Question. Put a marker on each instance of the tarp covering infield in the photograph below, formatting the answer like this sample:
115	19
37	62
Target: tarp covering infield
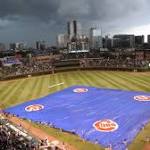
104	115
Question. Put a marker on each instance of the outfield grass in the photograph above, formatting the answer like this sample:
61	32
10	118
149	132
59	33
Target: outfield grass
21	90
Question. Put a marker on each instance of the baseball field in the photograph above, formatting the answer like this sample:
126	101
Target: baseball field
21	90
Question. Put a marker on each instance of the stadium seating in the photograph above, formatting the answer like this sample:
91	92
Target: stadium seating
13	137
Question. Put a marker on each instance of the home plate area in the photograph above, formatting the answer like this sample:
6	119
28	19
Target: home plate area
107	116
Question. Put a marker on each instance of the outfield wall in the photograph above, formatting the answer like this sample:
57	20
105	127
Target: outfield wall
74	68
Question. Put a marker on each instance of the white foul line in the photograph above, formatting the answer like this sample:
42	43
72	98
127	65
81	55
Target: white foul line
55	85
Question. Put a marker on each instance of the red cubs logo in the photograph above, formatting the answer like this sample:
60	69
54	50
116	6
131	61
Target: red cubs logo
80	90
105	125
142	98
35	107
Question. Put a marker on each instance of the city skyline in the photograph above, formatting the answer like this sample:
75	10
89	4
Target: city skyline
35	20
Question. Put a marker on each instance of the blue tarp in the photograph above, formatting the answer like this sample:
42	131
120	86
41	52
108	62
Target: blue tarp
76	112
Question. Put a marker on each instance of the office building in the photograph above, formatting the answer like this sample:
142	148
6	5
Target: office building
74	29
139	40
148	39
123	41
95	38
62	40
40	45
2	47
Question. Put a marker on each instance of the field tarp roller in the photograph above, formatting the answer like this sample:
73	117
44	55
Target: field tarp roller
106	116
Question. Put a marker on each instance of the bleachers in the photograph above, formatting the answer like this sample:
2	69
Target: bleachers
71	62
13	137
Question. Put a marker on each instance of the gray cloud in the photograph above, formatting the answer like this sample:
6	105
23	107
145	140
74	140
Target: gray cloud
36	9
38	19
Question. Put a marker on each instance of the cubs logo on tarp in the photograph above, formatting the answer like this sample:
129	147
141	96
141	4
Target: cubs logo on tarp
142	98
35	107
80	90
106	125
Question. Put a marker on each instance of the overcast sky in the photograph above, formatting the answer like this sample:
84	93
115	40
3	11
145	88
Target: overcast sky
31	20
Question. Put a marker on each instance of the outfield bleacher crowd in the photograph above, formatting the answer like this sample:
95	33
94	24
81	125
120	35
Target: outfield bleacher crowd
37	67
26	69
116	63
50	63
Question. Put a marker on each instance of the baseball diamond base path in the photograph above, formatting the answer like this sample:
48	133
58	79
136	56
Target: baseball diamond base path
38	133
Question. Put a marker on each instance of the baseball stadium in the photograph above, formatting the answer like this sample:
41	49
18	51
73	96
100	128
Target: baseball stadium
74	74
75	104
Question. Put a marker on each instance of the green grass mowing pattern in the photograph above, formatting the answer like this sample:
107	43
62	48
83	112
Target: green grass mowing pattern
21	90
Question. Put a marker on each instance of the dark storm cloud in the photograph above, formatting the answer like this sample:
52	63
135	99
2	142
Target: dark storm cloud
44	10
39	9
50	16
101	9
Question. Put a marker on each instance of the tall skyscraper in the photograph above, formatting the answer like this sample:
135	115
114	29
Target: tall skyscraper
2	47
41	45
17	46
95	38
62	40
148	39
74	29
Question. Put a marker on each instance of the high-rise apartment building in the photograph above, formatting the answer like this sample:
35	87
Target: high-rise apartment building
74	29
62	40
148	39
95	38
